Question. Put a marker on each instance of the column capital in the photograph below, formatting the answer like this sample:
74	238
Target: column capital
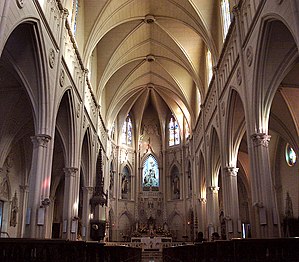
214	189
24	188
215	69
236	10
88	189
202	200
65	12
231	171
70	171
40	140
260	139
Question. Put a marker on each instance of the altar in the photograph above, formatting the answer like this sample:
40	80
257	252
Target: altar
152	243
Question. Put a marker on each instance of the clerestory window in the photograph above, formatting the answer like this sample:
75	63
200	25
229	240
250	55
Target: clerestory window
126	138
225	13
174	132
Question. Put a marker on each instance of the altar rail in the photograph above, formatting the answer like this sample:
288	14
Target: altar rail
41	250
237	250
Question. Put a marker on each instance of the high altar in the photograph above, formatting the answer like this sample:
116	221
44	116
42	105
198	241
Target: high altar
150	220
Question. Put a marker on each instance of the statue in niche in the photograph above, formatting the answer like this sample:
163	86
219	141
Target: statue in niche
151	224
14	211
124	185
111	181
176	186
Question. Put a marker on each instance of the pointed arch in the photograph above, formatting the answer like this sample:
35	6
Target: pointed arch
66	125
202	176
36	82
86	157
214	156
235	126
270	70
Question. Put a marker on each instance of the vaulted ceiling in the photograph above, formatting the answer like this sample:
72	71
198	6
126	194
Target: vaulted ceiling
150	51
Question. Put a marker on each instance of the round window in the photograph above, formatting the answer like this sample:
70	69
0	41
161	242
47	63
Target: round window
291	156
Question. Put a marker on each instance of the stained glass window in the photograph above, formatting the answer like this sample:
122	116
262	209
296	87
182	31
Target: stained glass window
225	17
150	174
209	66
75	15
174	132
126	138
291	156
129	131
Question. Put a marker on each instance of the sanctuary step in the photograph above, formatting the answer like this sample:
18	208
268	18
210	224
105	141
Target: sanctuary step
151	256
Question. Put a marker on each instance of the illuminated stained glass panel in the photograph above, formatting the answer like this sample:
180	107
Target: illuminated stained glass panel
291	156
124	133
129	131
75	15
209	66
150	174
225	16
174	132
126	137
171	132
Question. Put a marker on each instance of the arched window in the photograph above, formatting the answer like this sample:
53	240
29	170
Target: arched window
209	66
291	156
74	17
150	174
126	183
175	183
126	138
225	13
174	132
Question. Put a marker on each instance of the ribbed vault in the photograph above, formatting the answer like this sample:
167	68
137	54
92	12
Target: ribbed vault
139	50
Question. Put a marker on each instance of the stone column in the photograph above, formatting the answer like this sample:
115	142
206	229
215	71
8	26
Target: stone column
34	215
70	210
86	214
264	199
22	212
213	208
231	207
202	214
